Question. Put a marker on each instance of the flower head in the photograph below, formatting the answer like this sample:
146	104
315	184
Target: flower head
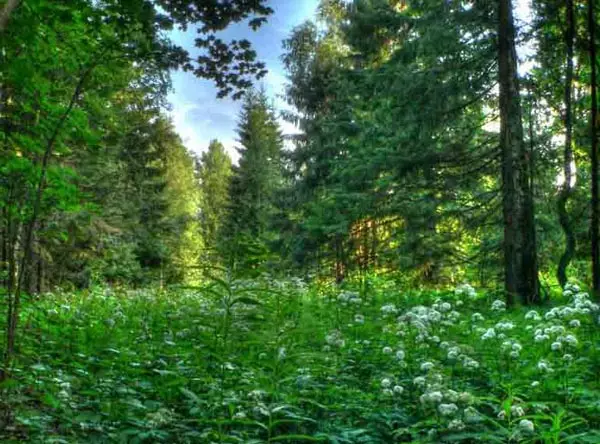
526	425
447	409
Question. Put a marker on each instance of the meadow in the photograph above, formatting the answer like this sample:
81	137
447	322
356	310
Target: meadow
267	361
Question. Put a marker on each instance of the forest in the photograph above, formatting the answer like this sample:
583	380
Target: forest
419	261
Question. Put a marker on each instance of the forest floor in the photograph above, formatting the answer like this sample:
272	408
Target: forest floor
269	361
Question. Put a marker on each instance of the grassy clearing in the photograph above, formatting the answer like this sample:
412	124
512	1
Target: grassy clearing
270	361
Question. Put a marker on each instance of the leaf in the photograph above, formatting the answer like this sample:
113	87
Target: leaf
191	395
299	438
39	367
50	400
9	383
245	300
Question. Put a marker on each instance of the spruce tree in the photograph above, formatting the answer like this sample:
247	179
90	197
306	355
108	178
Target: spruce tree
255	183
214	175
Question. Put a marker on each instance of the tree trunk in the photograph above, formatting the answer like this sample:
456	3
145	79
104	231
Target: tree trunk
594	152
8	9
566	190
520	256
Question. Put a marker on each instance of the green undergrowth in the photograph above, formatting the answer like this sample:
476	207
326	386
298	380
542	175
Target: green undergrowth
268	361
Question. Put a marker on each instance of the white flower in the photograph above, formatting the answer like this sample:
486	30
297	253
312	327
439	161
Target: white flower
453	353
349	297
571	340
567	357
432	397
398	389
447	409
552	314
556	346
386	383
476	317
446	306
434	316
256	394
465	398
387	350
388	392
505	325
575	323
465	290
533	315
541	338
335	339
514	354
359	319
451	395
456	424
489	334
400	355
555	329
498	305
281	353
517	411
419	380
470	363
526	425
535	383
544	366
426	366
389	309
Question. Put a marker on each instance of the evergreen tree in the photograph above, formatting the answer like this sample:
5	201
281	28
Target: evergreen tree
255	183
214	175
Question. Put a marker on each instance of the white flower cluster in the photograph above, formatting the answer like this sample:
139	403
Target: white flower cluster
526	425
489	334
512	347
389	309
349	298
477	317
505	326
498	305
335	339
386	385
465	290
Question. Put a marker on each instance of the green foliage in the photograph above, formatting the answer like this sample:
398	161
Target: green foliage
248	232
279	361
214	174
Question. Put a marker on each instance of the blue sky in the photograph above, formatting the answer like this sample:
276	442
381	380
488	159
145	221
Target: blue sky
197	114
